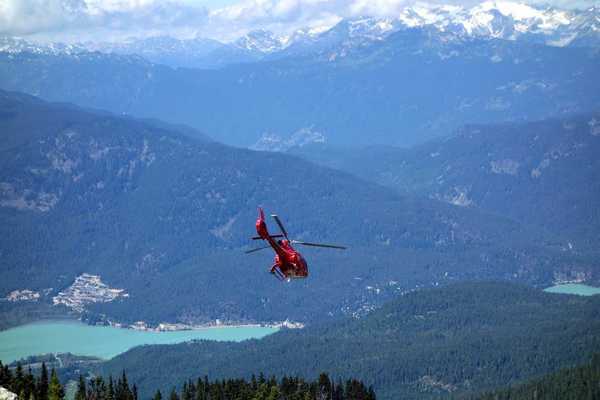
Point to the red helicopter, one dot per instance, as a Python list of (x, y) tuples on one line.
[(289, 263)]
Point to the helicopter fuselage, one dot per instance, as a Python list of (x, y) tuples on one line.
[(288, 262)]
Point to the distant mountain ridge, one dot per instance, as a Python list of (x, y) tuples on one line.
[(414, 85), (491, 19)]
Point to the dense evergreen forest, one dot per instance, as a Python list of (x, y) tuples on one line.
[(31, 387), (261, 388), (27, 386), (580, 383), (463, 338), (544, 173), (163, 216), (14, 314)]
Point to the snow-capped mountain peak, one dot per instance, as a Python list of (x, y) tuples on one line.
[(505, 20), (302, 137), (261, 41), (500, 19), (19, 45)]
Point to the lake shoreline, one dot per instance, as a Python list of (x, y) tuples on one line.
[(104, 341), (175, 327), (163, 327), (573, 288)]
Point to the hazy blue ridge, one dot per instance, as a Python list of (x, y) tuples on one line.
[(414, 85)]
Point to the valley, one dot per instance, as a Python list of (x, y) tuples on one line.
[(453, 340), (445, 153), (160, 221), (415, 85)]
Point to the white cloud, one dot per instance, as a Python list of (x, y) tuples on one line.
[(92, 17), (277, 15), (73, 20)]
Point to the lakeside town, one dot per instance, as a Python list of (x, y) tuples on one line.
[(88, 289)]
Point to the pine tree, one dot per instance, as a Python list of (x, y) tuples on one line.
[(81, 393), (200, 390), (157, 395), (324, 387), (338, 391), (185, 393), (173, 395), (3, 377), (29, 385), (97, 389), (110, 392), (262, 392), (42, 387), (371, 394), (55, 389), (274, 393), (18, 380)]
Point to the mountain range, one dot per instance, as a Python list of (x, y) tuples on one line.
[(165, 218), (415, 85), (451, 150), (543, 173), (491, 19)]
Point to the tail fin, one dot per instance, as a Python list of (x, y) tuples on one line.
[(261, 226)]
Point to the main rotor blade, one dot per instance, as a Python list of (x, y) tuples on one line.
[(259, 238), (280, 225), (329, 246), (257, 249)]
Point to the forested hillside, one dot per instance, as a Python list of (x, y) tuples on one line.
[(429, 175), (544, 173), (580, 383), (453, 340), (166, 218)]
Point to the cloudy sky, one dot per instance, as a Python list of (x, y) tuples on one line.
[(79, 20)]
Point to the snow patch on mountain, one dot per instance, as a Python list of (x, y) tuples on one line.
[(262, 41), (25, 199), (506, 166), (491, 19), (300, 138)]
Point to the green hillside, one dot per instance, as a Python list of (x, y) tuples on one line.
[(544, 173), (167, 218), (580, 383), (453, 340)]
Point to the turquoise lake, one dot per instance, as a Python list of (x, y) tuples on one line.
[(103, 341), (574, 288)]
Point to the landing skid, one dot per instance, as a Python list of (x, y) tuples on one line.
[(278, 274)]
